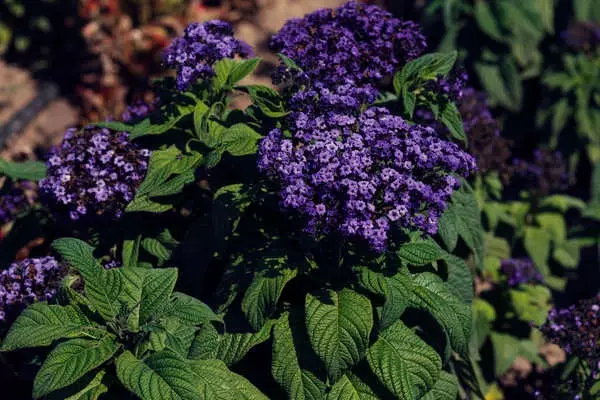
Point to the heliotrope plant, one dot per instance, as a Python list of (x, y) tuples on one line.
[(321, 227)]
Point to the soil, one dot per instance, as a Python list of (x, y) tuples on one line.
[(34, 136)]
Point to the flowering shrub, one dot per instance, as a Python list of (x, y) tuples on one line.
[(93, 174), (325, 236)]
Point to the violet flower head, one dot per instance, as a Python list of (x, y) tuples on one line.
[(15, 200), (576, 329), (203, 44), (545, 174), (582, 36), (360, 173), (93, 174), (520, 271), (28, 281), (354, 43), (137, 110)]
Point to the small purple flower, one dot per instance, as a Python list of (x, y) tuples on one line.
[(520, 271), (576, 329), (355, 44), (26, 282), (16, 200), (583, 37), (202, 45), (91, 186), (356, 179)]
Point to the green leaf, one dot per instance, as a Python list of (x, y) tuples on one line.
[(447, 228), (172, 186), (460, 279), (161, 122), (102, 287), (114, 125), (537, 245), (288, 62), (467, 221), (454, 316), (239, 140), (446, 388), (487, 20), (190, 310), (163, 375), (228, 347), (395, 289), (29, 170), (339, 325), (163, 164), (131, 250), (242, 69), (531, 303), (41, 324), (562, 202), (500, 78), (451, 118), (70, 361), (351, 389), (267, 99), (404, 363), (144, 204), (93, 390), (263, 293), (429, 66), (298, 383), (157, 286), (420, 253), (216, 382), (506, 350), (222, 69)]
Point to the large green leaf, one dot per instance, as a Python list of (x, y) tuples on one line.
[(446, 388), (228, 347), (70, 361), (420, 253), (92, 390), (350, 388), (459, 280), (216, 382), (102, 287), (500, 78), (396, 289), (242, 69), (239, 140), (41, 324), (163, 375), (404, 363), (537, 244), (487, 21), (450, 117), (339, 325), (432, 295), (146, 291), (190, 310), (162, 121), (29, 170), (263, 293), (298, 383)]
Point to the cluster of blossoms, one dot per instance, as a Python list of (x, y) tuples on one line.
[(355, 44), (576, 329), (94, 173), (203, 44), (360, 173), (348, 168), (520, 271), (28, 281), (138, 109), (582, 36), (546, 174), (15, 200)]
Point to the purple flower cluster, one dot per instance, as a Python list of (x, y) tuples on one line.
[(28, 281), (577, 330), (356, 43), (15, 200), (358, 173), (546, 174), (137, 110), (520, 271), (582, 36), (203, 44), (93, 174)]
